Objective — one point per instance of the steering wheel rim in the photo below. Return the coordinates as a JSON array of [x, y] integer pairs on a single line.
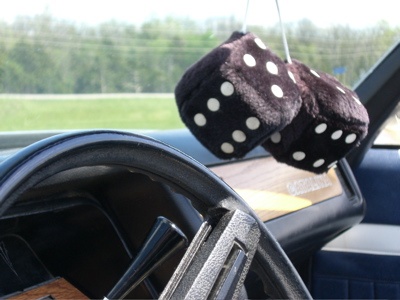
[[207, 191]]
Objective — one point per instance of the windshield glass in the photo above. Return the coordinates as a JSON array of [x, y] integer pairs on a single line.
[[115, 64]]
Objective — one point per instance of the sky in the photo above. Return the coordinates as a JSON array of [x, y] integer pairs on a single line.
[[356, 13]]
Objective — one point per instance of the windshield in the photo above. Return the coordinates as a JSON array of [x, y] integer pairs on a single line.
[[115, 64]]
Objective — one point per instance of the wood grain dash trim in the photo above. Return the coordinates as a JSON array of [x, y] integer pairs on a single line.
[[55, 289], [273, 189]]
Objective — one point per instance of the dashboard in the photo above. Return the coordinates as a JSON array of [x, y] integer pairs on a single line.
[[68, 210]]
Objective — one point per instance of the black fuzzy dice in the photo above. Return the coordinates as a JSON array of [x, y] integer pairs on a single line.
[[236, 96], [330, 123]]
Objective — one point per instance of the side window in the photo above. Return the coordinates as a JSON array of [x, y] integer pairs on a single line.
[[390, 135]]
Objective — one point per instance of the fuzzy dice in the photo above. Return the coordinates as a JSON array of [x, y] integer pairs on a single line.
[[236, 96], [330, 123]]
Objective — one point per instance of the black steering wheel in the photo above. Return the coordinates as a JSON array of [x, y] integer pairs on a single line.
[[240, 234]]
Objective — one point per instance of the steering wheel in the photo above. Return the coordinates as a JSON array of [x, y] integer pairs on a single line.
[[240, 234]]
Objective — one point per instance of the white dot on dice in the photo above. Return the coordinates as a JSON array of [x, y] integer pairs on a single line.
[[200, 119], [227, 148]]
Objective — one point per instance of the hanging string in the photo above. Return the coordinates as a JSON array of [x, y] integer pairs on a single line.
[[284, 40], [244, 27]]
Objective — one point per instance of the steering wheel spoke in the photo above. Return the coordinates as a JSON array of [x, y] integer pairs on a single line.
[[217, 261]]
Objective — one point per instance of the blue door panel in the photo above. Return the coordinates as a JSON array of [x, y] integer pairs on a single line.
[[346, 275], [378, 177]]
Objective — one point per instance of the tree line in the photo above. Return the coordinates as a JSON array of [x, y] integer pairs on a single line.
[[42, 54]]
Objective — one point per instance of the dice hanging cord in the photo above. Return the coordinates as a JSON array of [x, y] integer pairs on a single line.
[[284, 40], [244, 27]]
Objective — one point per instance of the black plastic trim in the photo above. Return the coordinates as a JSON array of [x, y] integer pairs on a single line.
[[318, 224], [380, 93]]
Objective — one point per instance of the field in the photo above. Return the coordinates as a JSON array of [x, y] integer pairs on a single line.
[[141, 111]]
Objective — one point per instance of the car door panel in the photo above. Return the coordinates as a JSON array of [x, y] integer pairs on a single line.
[[364, 262], [379, 179]]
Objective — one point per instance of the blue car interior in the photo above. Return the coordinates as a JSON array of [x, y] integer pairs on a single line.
[[79, 205]]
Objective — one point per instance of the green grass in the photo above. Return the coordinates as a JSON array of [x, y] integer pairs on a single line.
[[150, 112]]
